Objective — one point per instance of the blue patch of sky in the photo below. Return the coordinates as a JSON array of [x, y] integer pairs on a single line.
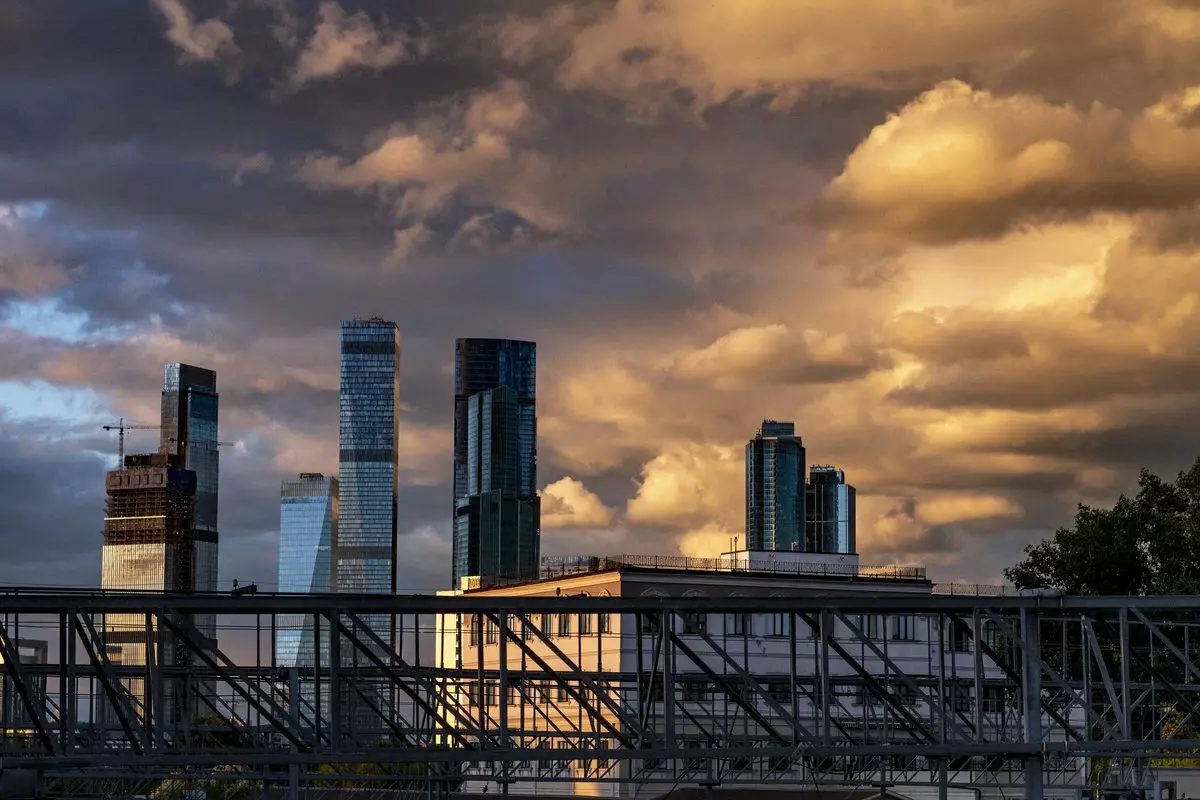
[[49, 318]]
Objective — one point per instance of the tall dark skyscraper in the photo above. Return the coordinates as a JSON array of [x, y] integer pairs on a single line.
[[831, 512], [369, 421], [481, 366], [189, 433], [775, 472], [498, 524]]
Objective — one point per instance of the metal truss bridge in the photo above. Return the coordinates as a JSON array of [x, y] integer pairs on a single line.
[[1035, 696]]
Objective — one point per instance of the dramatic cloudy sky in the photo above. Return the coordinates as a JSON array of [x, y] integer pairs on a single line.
[[955, 240]]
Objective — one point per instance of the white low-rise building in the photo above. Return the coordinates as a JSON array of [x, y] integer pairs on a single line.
[[709, 662]]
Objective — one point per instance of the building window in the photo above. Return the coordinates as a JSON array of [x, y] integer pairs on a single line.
[[779, 624], [904, 627], [603, 621], [740, 624], [696, 691], [492, 632], [651, 623], [473, 631], [527, 631], [585, 624], [904, 694], [991, 635], [564, 624], [491, 694], [994, 699], [562, 694], [780, 691], [959, 638], [695, 622], [871, 625], [547, 625]]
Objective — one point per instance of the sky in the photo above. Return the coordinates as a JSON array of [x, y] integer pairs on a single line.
[[954, 240]]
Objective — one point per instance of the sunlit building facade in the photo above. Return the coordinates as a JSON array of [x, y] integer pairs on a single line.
[[831, 512], [481, 366], [369, 422], [149, 545], [496, 526], [308, 525], [775, 491]]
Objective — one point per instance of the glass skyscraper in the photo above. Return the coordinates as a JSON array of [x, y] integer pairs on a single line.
[[369, 420], [775, 491], [308, 530], [481, 366], [189, 432], [497, 524], [831, 512]]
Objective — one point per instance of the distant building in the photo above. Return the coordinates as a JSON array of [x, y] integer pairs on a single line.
[[368, 429], [149, 544], [190, 406], [777, 651], [775, 491], [497, 523], [308, 529], [481, 366], [831, 512]]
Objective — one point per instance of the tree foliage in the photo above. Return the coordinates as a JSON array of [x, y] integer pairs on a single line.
[[1145, 544]]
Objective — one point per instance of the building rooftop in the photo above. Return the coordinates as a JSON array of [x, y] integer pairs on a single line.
[[747, 564]]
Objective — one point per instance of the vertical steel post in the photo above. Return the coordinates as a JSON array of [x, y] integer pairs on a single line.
[[1031, 680], [294, 714], [1126, 693], [336, 712], [826, 713], [63, 726], [502, 617], [318, 684], [668, 679], [977, 664], [162, 714], [791, 618]]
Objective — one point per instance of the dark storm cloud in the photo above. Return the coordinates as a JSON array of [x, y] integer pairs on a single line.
[[51, 517]]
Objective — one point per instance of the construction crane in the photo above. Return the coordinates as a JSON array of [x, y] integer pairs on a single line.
[[120, 428]]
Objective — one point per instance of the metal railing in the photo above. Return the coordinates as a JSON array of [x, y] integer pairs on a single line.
[[975, 590], [580, 565]]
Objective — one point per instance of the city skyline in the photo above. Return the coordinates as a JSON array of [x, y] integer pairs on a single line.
[[958, 255]]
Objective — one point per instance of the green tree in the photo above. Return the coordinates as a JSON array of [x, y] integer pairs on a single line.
[[1147, 544]]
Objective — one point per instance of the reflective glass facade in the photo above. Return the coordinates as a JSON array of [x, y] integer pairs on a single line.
[[369, 421], [497, 527], [832, 516], [189, 431], [775, 495], [480, 366], [308, 524]]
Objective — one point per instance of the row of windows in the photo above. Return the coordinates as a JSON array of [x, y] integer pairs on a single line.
[[699, 690], [876, 627], [554, 625]]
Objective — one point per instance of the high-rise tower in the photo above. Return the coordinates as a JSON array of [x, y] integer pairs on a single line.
[[497, 524], [369, 420], [831, 512], [308, 529], [481, 366], [775, 471], [189, 432]]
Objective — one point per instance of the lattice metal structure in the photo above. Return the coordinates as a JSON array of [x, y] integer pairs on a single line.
[[1041, 696]]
